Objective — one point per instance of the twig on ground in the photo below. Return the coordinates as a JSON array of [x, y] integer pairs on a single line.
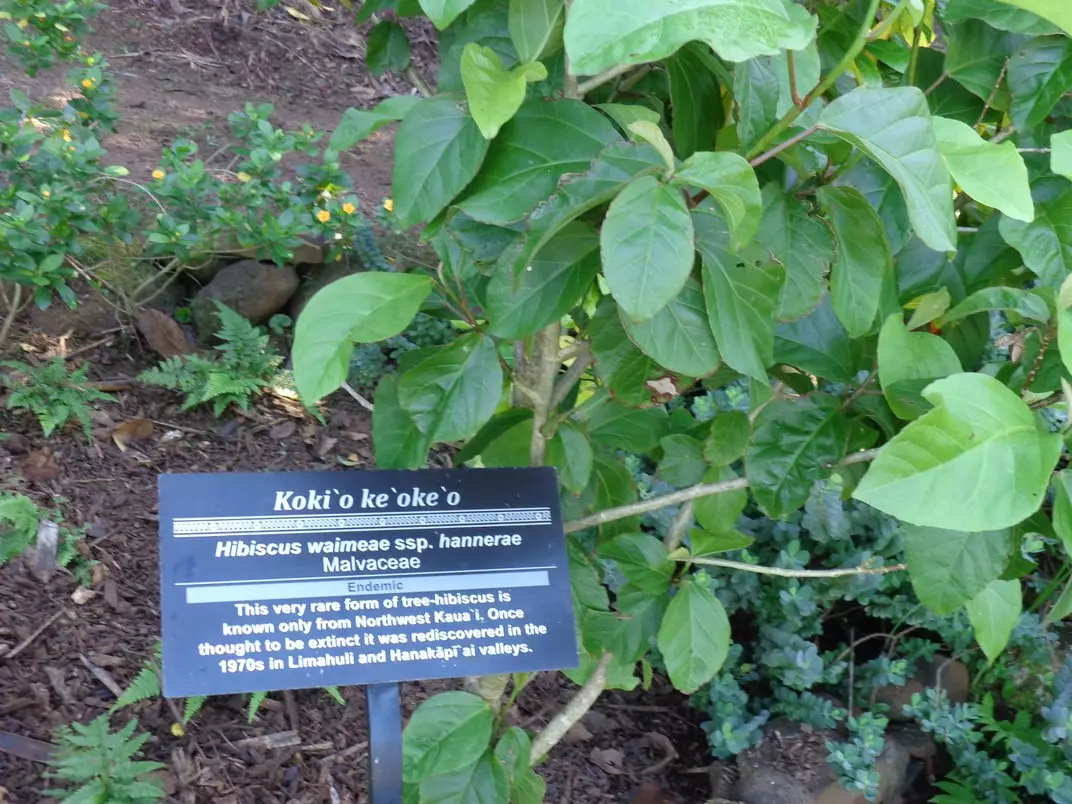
[[29, 640]]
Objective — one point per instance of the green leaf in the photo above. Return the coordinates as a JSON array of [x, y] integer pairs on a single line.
[[1062, 509], [610, 486], [928, 307], [863, 259], [585, 580], [626, 114], [728, 438], [483, 782], [387, 48], [807, 66], [628, 429], [622, 367], [358, 124], [536, 27], [1039, 74], [694, 637], [756, 91], [570, 453], [1046, 243], [1057, 12], [884, 194], [976, 59], [450, 391], [678, 337], [448, 732], [498, 425], [1061, 153], [912, 358], [642, 559], [438, 151], [696, 98], [363, 308], [993, 614], [994, 175], [615, 169], [978, 461], [794, 443], [803, 244], [1061, 608], [732, 183], [495, 93], [543, 142], [948, 567], [817, 344], [511, 448], [397, 441], [647, 247], [1025, 303], [443, 12], [646, 131], [548, 288], [683, 462], [740, 307], [601, 34], [718, 513], [999, 15], [893, 127], [705, 543]]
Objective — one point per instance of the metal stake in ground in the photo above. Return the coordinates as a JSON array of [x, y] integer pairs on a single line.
[[384, 705]]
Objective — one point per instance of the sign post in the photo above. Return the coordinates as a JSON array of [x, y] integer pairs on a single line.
[[291, 580]]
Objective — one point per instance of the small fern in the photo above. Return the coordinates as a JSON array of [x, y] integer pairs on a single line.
[[192, 707], [52, 394], [255, 701], [146, 683], [94, 764], [244, 366], [18, 525], [336, 695]]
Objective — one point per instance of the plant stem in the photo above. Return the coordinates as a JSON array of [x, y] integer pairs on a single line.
[[791, 62], [691, 493], [12, 311], [571, 377], [791, 573], [913, 59], [682, 522], [572, 712], [783, 146], [993, 94], [828, 81], [360, 399], [889, 22], [592, 83], [541, 379], [937, 83], [415, 78]]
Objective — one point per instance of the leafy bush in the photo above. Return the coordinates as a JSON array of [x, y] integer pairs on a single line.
[[95, 764], [52, 394], [245, 365]]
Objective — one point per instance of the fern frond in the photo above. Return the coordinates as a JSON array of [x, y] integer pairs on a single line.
[[255, 701], [146, 684], [192, 707], [102, 765], [18, 525], [336, 695]]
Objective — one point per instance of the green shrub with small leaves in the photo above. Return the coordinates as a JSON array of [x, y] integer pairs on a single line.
[[94, 765], [244, 367], [52, 393]]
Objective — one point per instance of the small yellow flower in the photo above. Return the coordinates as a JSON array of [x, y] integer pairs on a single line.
[[389, 205], [349, 208], [46, 193], [84, 115], [243, 176], [22, 24], [66, 135], [91, 61], [158, 174], [70, 148], [25, 42], [68, 38], [87, 83], [177, 730], [323, 216]]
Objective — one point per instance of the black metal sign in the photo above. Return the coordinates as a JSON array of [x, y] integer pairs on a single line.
[[276, 581]]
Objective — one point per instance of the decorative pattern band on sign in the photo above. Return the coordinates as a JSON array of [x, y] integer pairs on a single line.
[[362, 522]]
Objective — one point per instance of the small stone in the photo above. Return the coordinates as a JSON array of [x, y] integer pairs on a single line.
[[254, 290], [768, 786]]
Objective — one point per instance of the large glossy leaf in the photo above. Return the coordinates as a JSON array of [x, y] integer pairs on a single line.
[[548, 288], [570, 453], [948, 567], [397, 441], [447, 732], [642, 559], [359, 124], [1046, 243], [679, 337], [601, 34], [741, 298], [544, 141], [616, 167], [536, 27], [1025, 303], [817, 344], [999, 15], [450, 391], [683, 461], [444, 12], [803, 244], [730, 432], [694, 638], [1061, 153], [794, 443], [495, 93], [628, 429], [993, 614], [438, 151], [1039, 74], [387, 48], [483, 781], [647, 247], [976, 59], [718, 513], [363, 308], [893, 127], [908, 362], [1055, 11], [731, 181], [994, 175], [978, 461], [696, 99], [623, 368], [863, 258], [486, 23], [611, 485], [885, 196], [756, 91]]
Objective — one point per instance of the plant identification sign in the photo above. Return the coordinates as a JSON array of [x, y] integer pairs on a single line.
[[284, 580]]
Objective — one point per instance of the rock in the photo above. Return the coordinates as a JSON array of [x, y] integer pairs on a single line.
[[769, 786], [950, 674], [319, 277], [255, 290], [915, 741], [896, 698]]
